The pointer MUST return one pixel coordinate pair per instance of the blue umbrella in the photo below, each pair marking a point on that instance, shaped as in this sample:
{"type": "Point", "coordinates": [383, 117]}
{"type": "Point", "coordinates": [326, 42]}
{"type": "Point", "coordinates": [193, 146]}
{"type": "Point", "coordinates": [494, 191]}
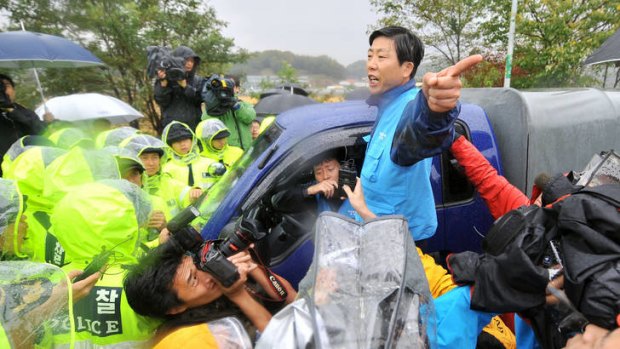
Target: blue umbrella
{"type": "Point", "coordinates": [24, 49]}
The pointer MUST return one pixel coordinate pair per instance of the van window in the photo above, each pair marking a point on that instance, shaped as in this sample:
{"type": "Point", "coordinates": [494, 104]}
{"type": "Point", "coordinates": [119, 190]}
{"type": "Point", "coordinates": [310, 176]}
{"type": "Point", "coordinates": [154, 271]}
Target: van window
{"type": "Point", "coordinates": [456, 187]}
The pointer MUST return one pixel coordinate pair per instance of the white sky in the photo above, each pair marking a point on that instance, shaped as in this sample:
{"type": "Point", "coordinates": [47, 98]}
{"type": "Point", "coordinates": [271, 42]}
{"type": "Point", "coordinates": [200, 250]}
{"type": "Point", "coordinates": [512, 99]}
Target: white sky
{"type": "Point", "coordinates": [337, 28]}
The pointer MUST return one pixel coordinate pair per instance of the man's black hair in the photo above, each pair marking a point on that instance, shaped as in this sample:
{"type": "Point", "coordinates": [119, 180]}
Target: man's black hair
{"type": "Point", "coordinates": [409, 48]}
{"type": "Point", "coordinates": [7, 78]}
{"type": "Point", "coordinates": [148, 284]}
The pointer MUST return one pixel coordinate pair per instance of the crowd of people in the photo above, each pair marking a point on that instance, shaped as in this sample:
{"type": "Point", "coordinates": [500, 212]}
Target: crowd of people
{"type": "Point", "coordinates": [101, 203]}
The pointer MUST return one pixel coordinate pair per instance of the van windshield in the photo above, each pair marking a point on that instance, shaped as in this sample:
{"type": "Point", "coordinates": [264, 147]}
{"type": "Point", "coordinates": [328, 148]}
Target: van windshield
{"type": "Point", "coordinates": [218, 191]}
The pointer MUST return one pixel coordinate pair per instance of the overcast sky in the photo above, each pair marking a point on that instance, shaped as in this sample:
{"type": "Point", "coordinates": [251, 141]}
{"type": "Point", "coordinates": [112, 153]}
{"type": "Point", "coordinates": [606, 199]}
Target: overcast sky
{"type": "Point", "coordinates": [337, 28]}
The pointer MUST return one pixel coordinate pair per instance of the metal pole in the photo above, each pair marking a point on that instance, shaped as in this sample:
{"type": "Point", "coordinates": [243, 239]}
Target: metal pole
{"type": "Point", "coordinates": [36, 77]}
{"type": "Point", "coordinates": [511, 39]}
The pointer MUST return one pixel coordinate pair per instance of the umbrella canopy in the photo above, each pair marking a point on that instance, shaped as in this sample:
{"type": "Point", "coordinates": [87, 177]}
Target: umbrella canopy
{"type": "Point", "coordinates": [24, 49]}
{"type": "Point", "coordinates": [278, 103]}
{"type": "Point", "coordinates": [293, 89]}
{"type": "Point", "coordinates": [608, 52]}
{"type": "Point", "coordinates": [88, 106]}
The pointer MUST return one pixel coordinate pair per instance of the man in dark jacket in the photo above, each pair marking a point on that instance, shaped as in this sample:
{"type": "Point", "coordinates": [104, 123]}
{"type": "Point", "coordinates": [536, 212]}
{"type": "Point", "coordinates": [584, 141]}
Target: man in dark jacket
{"type": "Point", "coordinates": [180, 100]}
{"type": "Point", "coordinates": [16, 120]}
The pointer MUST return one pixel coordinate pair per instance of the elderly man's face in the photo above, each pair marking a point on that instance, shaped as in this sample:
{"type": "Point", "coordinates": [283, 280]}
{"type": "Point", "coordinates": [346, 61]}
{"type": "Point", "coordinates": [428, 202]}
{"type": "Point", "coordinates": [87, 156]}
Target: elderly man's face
{"type": "Point", "coordinates": [384, 70]}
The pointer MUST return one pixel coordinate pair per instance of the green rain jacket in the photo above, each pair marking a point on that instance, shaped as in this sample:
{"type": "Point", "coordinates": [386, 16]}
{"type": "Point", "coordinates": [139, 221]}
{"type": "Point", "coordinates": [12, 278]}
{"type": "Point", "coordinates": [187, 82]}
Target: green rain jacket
{"type": "Point", "coordinates": [206, 132]}
{"type": "Point", "coordinates": [28, 171]}
{"type": "Point", "coordinates": [114, 136]}
{"type": "Point", "coordinates": [178, 166]}
{"type": "Point", "coordinates": [116, 211]}
{"type": "Point", "coordinates": [238, 123]}
{"type": "Point", "coordinates": [174, 193]}
{"type": "Point", "coordinates": [11, 211]}
{"type": "Point", "coordinates": [70, 137]}
{"type": "Point", "coordinates": [77, 166]}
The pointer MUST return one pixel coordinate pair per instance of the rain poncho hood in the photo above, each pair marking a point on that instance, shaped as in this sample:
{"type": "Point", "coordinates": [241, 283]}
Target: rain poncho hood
{"type": "Point", "coordinates": [207, 130]}
{"type": "Point", "coordinates": [142, 143]}
{"type": "Point", "coordinates": [11, 210]}
{"type": "Point", "coordinates": [116, 211]}
{"type": "Point", "coordinates": [186, 52]}
{"type": "Point", "coordinates": [366, 288]}
{"type": "Point", "coordinates": [125, 158]}
{"type": "Point", "coordinates": [114, 136]}
{"type": "Point", "coordinates": [35, 303]}
{"type": "Point", "coordinates": [194, 151]}
{"type": "Point", "coordinates": [20, 146]}
{"type": "Point", "coordinates": [78, 166]}
{"type": "Point", "coordinates": [70, 137]}
{"type": "Point", "coordinates": [28, 170]}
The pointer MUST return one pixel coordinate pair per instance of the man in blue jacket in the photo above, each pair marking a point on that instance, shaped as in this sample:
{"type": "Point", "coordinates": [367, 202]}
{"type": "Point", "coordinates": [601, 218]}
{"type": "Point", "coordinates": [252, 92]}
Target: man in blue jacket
{"type": "Point", "coordinates": [411, 127]}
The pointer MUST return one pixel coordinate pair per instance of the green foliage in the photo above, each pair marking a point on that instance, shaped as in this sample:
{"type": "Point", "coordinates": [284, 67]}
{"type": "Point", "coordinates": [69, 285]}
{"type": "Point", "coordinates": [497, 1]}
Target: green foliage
{"type": "Point", "coordinates": [287, 73]}
{"type": "Point", "coordinates": [553, 37]}
{"type": "Point", "coordinates": [356, 69]}
{"type": "Point", "coordinates": [118, 32]}
{"type": "Point", "coordinates": [450, 26]}
{"type": "Point", "coordinates": [269, 63]}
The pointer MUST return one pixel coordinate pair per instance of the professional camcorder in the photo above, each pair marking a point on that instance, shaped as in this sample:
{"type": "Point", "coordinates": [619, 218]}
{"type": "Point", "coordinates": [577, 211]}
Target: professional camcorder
{"type": "Point", "coordinates": [211, 256]}
{"type": "Point", "coordinates": [161, 58]}
{"type": "Point", "coordinates": [219, 95]}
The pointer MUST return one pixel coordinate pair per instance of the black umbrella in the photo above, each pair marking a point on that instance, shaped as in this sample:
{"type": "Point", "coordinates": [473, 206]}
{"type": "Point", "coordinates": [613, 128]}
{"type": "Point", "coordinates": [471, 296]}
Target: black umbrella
{"type": "Point", "coordinates": [293, 89]}
{"type": "Point", "coordinates": [278, 103]}
{"type": "Point", "coordinates": [608, 52]}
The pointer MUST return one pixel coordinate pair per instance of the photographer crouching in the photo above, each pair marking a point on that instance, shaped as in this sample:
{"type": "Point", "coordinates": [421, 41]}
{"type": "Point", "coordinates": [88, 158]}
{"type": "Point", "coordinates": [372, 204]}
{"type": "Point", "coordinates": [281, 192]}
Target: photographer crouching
{"type": "Point", "coordinates": [190, 283]}
{"type": "Point", "coordinates": [177, 88]}
{"type": "Point", "coordinates": [220, 97]}
{"type": "Point", "coordinates": [16, 120]}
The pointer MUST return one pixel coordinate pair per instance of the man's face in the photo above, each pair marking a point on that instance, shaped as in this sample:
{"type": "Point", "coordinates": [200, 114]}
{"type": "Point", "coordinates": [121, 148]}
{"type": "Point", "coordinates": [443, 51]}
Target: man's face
{"type": "Point", "coordinates": [384, 71]}
{"type": "Point", "coordinates": [219, 143]}
{"type": "Point", "coordinates": [150, 162]}
{"type": "Point", "coordinates": [134, 176]}
{"type": "Point", "coordinates": [183, 146]}
{"type": "Point", "coordinates": [9, 90]}
{"type": "Point", "coordinates": [326, 170]}
{"type": "Point", "coordinates": [194, 287]}
{"type": "Point", "coordinates": [189, 64]}
{"type": "Point", "coordinates": [254, 130]}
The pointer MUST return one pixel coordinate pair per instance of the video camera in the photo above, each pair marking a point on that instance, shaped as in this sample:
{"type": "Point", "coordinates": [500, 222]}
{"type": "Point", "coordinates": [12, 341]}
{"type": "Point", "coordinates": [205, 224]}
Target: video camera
{"type": "Point", "coordinates": [161, 58]}
{"type": "Point", "coordinates": [219, 95]}
{"type": "Point", "coordinates": [347, 175]}
{"type": "Point", "coordinates": [211, 256]}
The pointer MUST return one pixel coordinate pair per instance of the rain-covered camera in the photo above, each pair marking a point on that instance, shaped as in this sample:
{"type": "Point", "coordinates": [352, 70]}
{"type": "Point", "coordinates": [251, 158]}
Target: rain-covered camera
{"type": "Point", "coordinates": [211, 256]}
{"type": "Point", "coordinates": [219, 95]}
{"type": "Point", "coordinates": [161, 58]}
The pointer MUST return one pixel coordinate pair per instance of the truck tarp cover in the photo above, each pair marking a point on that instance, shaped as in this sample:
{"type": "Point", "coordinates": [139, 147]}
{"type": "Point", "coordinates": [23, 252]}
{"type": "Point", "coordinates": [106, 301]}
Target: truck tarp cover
{"type": "Point", "coordinates": [365, 289]}
{"type": "Point", "coordinates": [548, 131]}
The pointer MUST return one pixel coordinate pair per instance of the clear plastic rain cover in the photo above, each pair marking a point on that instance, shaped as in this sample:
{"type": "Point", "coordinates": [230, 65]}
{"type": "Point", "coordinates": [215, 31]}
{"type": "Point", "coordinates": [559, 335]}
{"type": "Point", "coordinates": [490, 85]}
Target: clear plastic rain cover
{"type": "Point", "coordinates": [34, 301]}
{"type": "Point", "coordinates": [366, 288]}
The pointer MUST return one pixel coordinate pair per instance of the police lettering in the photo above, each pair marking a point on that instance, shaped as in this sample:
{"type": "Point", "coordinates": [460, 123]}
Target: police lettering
{"type": "Point", "coordinates": [96, 327]}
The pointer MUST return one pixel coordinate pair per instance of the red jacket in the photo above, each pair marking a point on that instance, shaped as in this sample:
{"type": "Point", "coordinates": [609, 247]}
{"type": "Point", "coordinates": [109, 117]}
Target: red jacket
{"type": "Point", "coordinates": [499, 195]}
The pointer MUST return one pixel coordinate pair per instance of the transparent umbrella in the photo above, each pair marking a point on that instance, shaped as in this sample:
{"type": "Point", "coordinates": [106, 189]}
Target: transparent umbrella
{"type": "Point", "coordinates": [89, 106]}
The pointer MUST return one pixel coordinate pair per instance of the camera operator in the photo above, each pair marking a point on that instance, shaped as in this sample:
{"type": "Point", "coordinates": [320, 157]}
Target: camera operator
{"type": "Point", "coordinates": [16, 120]}
{"type": "Point", "coordinates": [167, 284]}
{"type": "Point", "coordinates": [178, 95]}
{"type": "Point", "coordinates": [219, 95]}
